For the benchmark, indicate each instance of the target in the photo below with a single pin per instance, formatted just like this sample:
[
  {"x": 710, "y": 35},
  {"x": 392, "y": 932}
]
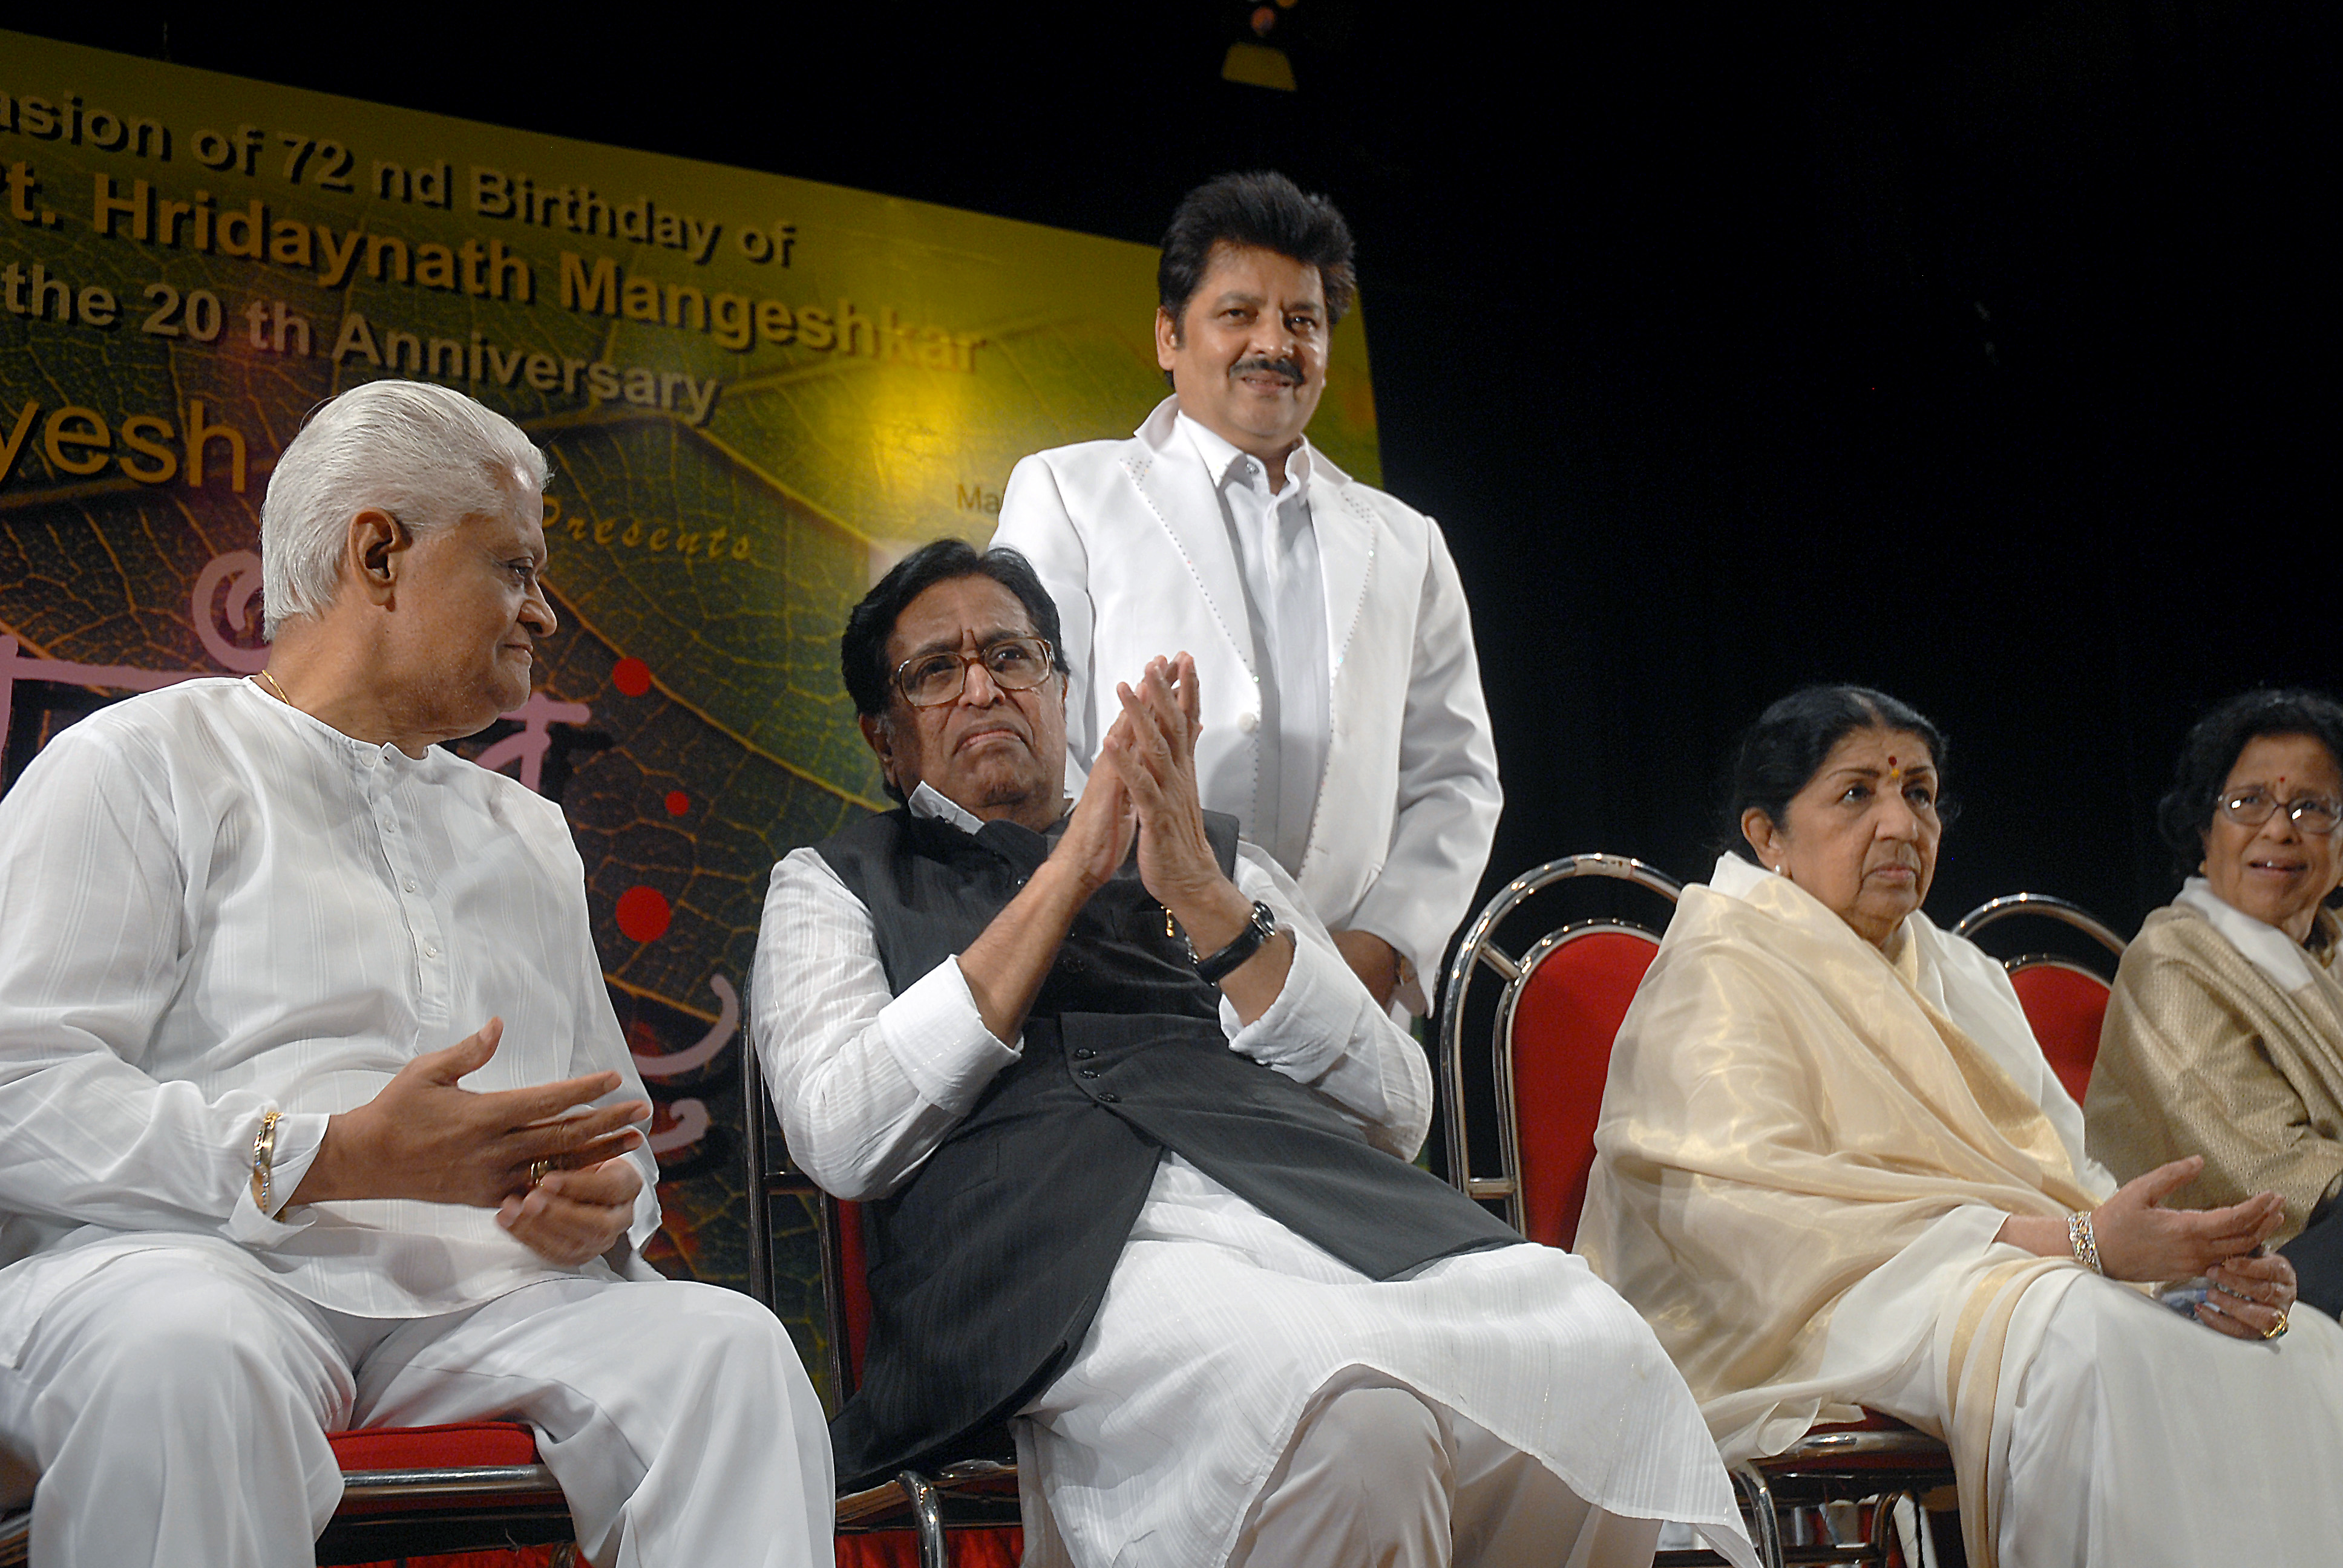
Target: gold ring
[
  {"x": 537, "y": 1170},
  {"x": 2281, "y": 1329}
]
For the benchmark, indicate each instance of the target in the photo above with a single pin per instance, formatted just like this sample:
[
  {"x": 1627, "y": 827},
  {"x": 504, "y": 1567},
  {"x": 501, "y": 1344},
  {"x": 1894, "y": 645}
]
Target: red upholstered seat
[
  {"x": 2066, "y": 1003},
  {"x": 461, "y": 1445},
  {"x": 1565, "y": 1017}
]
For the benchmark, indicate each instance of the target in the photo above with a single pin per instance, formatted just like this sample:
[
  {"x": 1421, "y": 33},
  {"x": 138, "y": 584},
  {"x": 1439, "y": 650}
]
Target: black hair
[
  {"x": 862, "y": 651},
  {"x": 1264, "y": 210},
  {"x": 1781, "y": 753},
  {"x": 2214, "y": 745}
]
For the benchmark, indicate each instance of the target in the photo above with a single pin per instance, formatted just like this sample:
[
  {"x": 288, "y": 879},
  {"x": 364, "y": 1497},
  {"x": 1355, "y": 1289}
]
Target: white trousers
[
  {"x": 1379, "y": 1477},
  {"x": 176, "y": 1401}
]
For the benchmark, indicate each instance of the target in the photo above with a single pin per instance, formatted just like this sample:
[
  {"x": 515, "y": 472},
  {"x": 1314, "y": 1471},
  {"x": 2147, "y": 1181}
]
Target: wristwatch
[{"x": 1212, "y": 970}]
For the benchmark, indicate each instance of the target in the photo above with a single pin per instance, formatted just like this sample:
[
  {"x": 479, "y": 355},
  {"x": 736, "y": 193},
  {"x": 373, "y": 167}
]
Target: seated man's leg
[
  {"x": 1366, "y": 1482},
  {"x": 1378, "y": 1474},
  {"x": 676, "y": 1417},
  {"x": 175, "y": 1403},
  {"x": 1512, "y": 1512}
]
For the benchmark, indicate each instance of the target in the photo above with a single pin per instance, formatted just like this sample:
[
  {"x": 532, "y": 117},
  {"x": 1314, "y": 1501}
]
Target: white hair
[{"x": 427, "y": 456}]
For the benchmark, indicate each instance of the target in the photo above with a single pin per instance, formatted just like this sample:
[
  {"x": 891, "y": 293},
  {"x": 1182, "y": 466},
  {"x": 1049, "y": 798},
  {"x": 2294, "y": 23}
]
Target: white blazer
[{"x": 1127, "y": 538}]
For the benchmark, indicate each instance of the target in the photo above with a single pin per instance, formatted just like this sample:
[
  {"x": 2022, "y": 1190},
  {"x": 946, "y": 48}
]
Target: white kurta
[
  {"x": 212, "y": 904},
  {"x": 1219, "y": 1324},
  {"x": 2121, "y": 1432}
]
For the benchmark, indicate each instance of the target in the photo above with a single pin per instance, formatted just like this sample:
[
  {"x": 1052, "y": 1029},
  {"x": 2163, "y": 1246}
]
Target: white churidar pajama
[
  {"x": 212, "y": 906},
  {"x": 1220, "y": 1330}
]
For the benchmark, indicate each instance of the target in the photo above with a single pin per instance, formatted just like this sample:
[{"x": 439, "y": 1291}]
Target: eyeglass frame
[
  {"x": 2293, "y": 808},
  {"x": 969, "y": 660}
]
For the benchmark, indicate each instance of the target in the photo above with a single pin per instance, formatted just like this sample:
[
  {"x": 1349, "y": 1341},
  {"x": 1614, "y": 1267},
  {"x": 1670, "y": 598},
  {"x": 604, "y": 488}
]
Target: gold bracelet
[
  {"x": 2081, "y": 1243},
  {"x": 264, "y": 1157}
]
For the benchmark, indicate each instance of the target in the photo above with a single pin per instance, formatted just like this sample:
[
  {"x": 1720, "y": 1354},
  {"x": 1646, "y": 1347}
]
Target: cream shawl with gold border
[{"x": 1800, "y": 1129}]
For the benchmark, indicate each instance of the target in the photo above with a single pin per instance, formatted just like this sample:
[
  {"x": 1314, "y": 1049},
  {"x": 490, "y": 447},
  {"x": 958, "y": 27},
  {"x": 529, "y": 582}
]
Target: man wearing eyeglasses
[{"x": 1132, "y": 1141}]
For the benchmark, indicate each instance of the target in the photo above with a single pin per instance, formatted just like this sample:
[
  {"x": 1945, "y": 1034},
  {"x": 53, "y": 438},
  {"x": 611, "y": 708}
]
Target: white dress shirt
[
  {"x": 1219, "y": 1323},
  {"x": 1285, "y": 601},
  {"x": 212, "y": 905},
  {"x": 1384, "y": 765}
]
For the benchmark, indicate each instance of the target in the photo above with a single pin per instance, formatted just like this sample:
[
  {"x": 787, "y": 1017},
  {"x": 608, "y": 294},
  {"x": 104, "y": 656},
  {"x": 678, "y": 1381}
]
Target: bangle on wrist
[
  {"x": 2081, "y": 1243},
  {"x": 263, "y": 1160}
]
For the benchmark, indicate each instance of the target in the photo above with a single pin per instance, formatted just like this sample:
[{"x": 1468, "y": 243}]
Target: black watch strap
[{"x": 1212, "y": 970}]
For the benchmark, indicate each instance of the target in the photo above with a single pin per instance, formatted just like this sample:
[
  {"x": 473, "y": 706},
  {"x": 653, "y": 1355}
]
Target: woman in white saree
[{"x": 1834, "y": 1170}]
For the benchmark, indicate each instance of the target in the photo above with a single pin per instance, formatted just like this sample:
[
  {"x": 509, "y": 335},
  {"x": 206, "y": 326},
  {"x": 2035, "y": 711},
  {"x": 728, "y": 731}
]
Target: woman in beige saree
[
  {"x": 1834, "y": 1170},
  {"x": 2225, "y": 1034}
]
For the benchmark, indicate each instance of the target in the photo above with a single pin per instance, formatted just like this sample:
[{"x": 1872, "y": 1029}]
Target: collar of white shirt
[
  {"x": 928, "y": 801},
  {"x": 1220, "y": 456}
]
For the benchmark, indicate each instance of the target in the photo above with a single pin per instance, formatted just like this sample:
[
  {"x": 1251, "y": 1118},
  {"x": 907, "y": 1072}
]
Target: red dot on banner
[
  {"x": 643, "y": 914},
  {"x": 677, "y": 803},
  {"x": 631, "y": 676}
]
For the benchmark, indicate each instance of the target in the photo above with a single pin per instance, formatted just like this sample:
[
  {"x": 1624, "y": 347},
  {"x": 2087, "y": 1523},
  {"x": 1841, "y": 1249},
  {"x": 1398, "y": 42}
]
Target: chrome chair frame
[
  {"x": 452, "y": 1508},
  {"x": 911, "y": 1492},
  {"x": 1479, "y": 949},
  {"x": 2060, "y": 909}
]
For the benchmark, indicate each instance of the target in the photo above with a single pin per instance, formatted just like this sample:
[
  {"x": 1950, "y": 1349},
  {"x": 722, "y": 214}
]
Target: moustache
[{"x": 1291, "y": 369}]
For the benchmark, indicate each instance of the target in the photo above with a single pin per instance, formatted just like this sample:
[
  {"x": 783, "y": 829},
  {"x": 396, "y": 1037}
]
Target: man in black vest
[{"x": 1133, "y": 1144}]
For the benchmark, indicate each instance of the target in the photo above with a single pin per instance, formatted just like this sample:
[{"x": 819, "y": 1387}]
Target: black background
[{"x": 1979, "y": 352}]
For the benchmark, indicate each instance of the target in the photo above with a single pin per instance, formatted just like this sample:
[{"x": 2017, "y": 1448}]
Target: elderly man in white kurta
[
  {"x": 314, "y": 1112},
  {"x": 1345, "y": 726},
  {"x": 1132, "y": 1144}
]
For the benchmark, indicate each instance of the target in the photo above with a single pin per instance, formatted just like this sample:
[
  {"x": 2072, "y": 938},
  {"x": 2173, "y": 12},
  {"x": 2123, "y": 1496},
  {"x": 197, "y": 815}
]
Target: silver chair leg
[
  {"x": 928, "y": 1517},
  {"x": 1758, "y": 1502}
]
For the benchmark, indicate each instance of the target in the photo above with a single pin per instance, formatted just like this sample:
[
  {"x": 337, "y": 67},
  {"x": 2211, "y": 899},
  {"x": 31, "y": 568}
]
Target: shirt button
[
  {"x": 1248, "y": 722},
  {"x": 1086, "y": 1072},
  {"x": 1084, "y": 1054},
  {"x": 410, "y": 884},
  {"x": 1110, "y": 1096},
  {"x": 431, "y": 952}
]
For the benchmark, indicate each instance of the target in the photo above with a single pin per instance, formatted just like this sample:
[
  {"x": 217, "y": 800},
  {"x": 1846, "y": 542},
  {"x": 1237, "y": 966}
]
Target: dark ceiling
[{"x": 1981, "y": 351}]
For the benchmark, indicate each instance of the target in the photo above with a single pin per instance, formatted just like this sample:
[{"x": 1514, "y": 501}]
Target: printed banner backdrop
[{"x": 757, "y": 393}]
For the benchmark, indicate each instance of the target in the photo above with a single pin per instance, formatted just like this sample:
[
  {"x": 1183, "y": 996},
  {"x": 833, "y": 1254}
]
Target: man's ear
[
  {"x": 880, "y": 737},
  {"x": 378, "y": 541},
  {"x": 1167, "y": 338}
]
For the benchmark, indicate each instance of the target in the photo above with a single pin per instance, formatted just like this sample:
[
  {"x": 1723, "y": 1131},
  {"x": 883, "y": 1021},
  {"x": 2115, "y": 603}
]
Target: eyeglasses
[
  {"x": 2311, "y": 813},
  {"x": 1014, "y": 664}
]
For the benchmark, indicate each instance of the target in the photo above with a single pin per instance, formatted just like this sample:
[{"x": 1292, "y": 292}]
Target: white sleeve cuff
[
  {"x": 298, "y": 1139},
  {"x": 938, "y": 1037},
  {"x": 1296, "y": 1035}
]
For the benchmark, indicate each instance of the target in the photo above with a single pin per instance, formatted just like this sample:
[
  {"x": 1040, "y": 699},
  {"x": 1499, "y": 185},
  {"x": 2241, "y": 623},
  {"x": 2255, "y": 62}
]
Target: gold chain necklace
[{"x": 270, "y": 681}]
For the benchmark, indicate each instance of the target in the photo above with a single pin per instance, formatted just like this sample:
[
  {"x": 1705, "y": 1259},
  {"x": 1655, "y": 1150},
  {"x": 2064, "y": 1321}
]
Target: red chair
[
  {"x": 1550, "y": 1032},
  {"x": 421, "y": 1491},
  {"x": 981, "y": 1490},
  {"x": 2065, "y": 1002}
]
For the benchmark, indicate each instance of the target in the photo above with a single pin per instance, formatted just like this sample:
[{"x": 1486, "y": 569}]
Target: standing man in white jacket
[{"x": 1345, "y": 726}]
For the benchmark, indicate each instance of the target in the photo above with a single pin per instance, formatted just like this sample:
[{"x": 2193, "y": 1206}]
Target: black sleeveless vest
[{"x": 986, "y": 1268}]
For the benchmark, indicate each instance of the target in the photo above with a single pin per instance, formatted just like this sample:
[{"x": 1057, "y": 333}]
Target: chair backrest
[
  {"x": 1550, "y": 1043},
  {"x": 1564, "y": 1012},
  {"x": 845, "y": 1287},
  {"x": 2066, "y": 1002}
]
